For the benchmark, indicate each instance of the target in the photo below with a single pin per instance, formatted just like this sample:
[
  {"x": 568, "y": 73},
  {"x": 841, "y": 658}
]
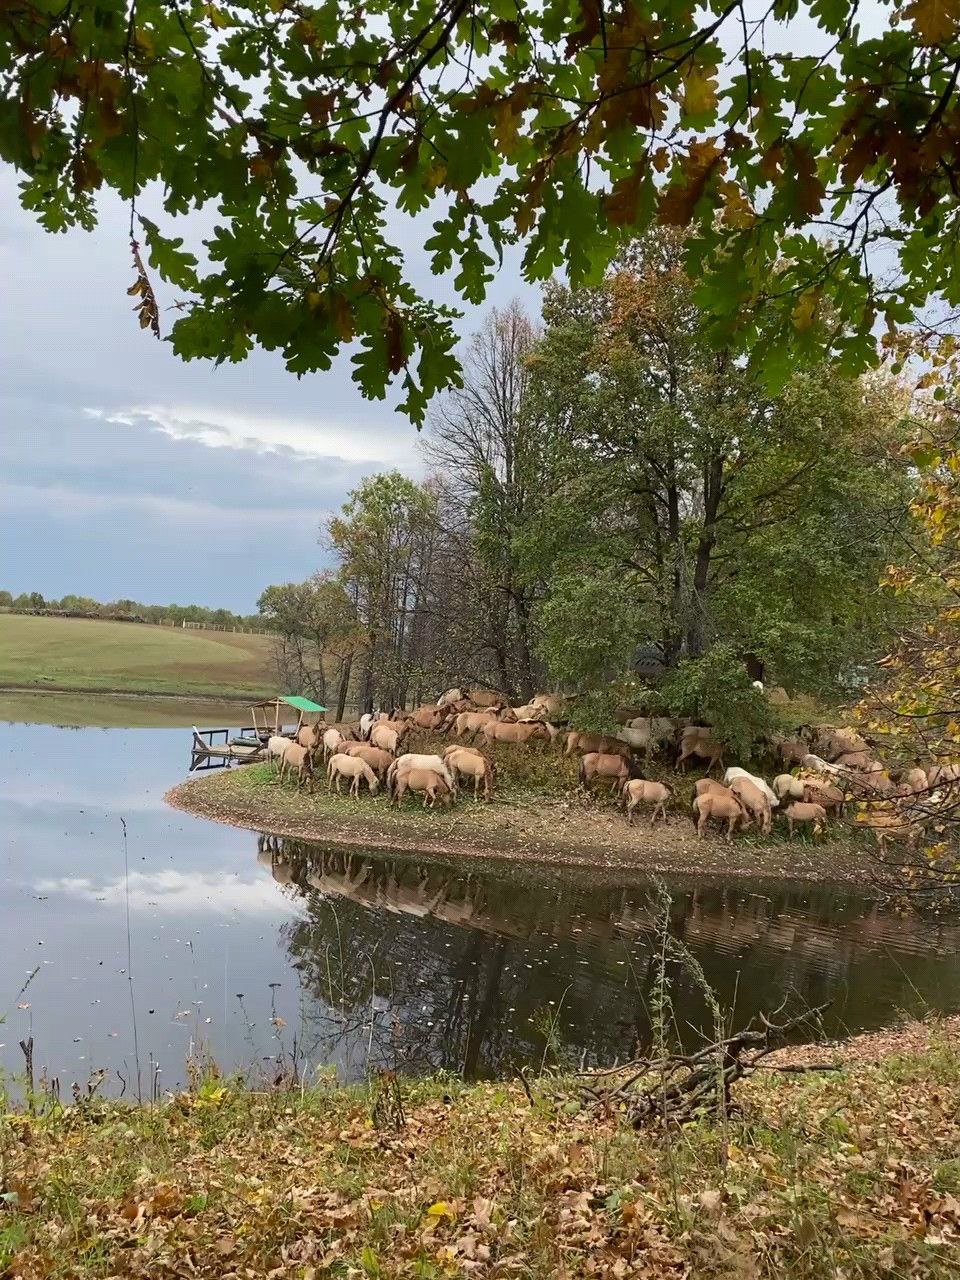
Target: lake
[{"x": 261, "y": 952}]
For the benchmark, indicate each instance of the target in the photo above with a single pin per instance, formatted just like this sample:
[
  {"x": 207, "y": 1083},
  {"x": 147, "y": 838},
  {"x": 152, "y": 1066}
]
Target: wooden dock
[{"x": 215, "y": 749}]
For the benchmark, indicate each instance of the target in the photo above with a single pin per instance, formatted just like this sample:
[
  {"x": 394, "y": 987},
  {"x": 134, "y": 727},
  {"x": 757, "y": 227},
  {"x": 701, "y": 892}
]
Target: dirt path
[{"x": 548, "y": 830}]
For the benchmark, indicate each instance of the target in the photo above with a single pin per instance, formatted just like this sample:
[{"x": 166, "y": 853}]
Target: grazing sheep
[
  {"x": 431, "y": 784},
  {"x": 832, "y": 798},
  {"x": 277, "y": 748},
  {"x": 452, "y": 695},
  {"x": 469, "y": 723},
  {"x": 638, "y": 791},
  {"x": 713, "y": 807},
  {"x": 755, "y": 801},
  {"x": 333, "y": 740},
  {"x": 389, "y": 734},
  {"x": 502, "y": 731},
  {"x": 790, "y": 750},
  {"x": 433, "y": 718},
  {"x": 310, "y": 736},
  {"x": 767, "y": 790},
  {"x": 467, "y": 763},
  {"x": 589, "y": 742},
  {"x": 915, "y": 780},
  {"x": 299, "y": 760},
  {"x": 551, "y": 705},
  {"x": 818, "y": 765},
  {"x": 366, "y": 724},
  {"x": 647, "y": 733},
  {"x": 787, "y": 787},
  {"x": 413, "y": 760},
  {"x": 692, "y": 746},
  {"x": 597, "y": 764},
  {"x": 354, "y": 767},
  {"x": 378, "y": 759},
  {"x": 710, "y": 786},
  {"x": 805, "y": 812}
]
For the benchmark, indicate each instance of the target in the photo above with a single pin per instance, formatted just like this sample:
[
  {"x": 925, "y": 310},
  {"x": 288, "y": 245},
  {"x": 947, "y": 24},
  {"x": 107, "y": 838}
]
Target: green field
[{"x": 81, "y": 655}]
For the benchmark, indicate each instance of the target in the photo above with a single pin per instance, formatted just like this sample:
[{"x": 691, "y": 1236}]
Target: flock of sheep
[{"x": 828, "y": 766}]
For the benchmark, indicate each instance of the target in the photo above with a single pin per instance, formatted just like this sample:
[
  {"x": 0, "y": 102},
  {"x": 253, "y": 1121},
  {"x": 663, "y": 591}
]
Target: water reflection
[
  {"x": 366, "y": 959},
  {"x": 420, "y": 965}
]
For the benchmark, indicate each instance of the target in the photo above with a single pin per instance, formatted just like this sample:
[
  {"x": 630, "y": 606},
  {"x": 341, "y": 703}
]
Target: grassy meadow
[{"x": 85, "y": 655}]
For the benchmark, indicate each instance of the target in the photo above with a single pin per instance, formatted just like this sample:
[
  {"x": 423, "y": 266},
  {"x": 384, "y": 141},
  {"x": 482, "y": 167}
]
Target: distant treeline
[{"x": 73, "y": 606}]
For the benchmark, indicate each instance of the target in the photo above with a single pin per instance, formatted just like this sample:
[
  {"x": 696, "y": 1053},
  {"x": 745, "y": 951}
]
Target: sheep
[
  {"x": 411, "y": 760},
  {"x": 551, "y": 705},
  {"x": 501, "y": 731},
  {"x": 452, "y": 695},
  {"x": 426, "y": 780},
  {"x": 378, "y": 759},
  {"x": 469, "y": 723},
  {"x": 706, "y": 748},
  {"x": 366, "y": 724},
  {"x": 755, "y": 801},
  {"x": 467, "y": 763},
  {"x": 734, "y": 772},
  {"x": 800, "y": 811},
  {"x": 310, "y": 736},
  {"x": 718, "y": 808},
  {"x": 589, "y": 742},
  {"x": 388, "y": 734},
  {"x": 429, "y": 717},
  {"x": 354, "y": 767},
  {"x": 276, "y": 750},
  {"x": 298, "y": 760},
  {"x": 819, "y": 765},
  {"x": 333, "y": 740},
  {"x": 823, "y": 793},
  {"x": 787, "y": 787},
  {"x": 710, "y": 786},
  {"x": 915, "y": 780},
  {"x": 596, "y": 764},
  {"x": 646, "y": 733},
  {"x": 638, "y": 791}
]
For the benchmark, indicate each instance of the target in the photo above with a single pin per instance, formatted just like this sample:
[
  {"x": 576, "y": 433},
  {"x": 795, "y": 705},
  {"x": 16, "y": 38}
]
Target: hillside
[{"x": 82, "y": 655}]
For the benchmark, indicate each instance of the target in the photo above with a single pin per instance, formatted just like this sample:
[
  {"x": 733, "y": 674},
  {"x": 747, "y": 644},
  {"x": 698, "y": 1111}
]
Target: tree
[
  {"x": 316, "y": 626},
  {"x": 6, "y": 599},
  {"x": 485, "y": 445},
  {"x": 385, "y": 539},
  {"x": 570, "y": 127},
  {"x": 685, "y": 505}
]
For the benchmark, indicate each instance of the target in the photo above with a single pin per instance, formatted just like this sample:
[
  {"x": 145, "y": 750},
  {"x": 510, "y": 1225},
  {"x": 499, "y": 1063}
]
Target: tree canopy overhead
[{"x": 823, "y": 183}]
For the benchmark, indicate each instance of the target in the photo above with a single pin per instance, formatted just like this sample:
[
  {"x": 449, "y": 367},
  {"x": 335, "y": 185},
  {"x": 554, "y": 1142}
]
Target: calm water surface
[{"x": 255, "y": 950}]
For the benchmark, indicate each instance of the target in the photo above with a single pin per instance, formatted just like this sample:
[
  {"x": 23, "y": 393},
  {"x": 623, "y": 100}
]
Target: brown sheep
[
  {"x": 353, "y": 767},
  {"x": 298, "y": 760},
  {"x": 693, "y": 746},
  {"x": 425, "y": 780},
  {"x": 468, "y": 763},
  {"x": 641, "y": 791},
  {"x": 586, "y": 743},
  {"x": 501, "y": 731},
  {"x": 389, "y": 734},
  {"x": 378, "y": 759},
  {"x": 717, "y": 808},
  {"x": 824, "y": 793},
  {"x": 755, "y": 802},
  {"x": 597, "y": 764},
  {"x": 801, "y": 811}
]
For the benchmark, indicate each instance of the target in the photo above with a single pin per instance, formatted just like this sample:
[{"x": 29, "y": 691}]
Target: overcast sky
[{"x": 126, "y": 472}]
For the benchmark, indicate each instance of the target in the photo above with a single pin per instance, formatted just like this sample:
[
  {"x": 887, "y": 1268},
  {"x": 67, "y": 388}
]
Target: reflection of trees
[{"x": 423, "y": 966}]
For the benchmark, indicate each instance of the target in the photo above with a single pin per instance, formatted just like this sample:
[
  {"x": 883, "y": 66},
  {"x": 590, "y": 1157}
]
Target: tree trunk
[
  {"x": 346, "y": 666},
  {"x": 699, "y": 598}
]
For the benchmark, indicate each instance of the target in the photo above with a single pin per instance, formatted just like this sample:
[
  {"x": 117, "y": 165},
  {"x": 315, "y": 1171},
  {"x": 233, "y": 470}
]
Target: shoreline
[
  {"x": 545, "y": 831},
  {"x": 96, "y": 691}
]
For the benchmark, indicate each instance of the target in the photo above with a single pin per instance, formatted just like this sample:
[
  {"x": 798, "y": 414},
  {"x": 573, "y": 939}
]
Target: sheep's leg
[{"x": 790, "y": 828}]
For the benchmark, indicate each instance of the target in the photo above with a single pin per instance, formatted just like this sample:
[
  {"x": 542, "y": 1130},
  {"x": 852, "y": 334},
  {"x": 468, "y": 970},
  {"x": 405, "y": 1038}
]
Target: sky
[{"x": 126, "y": 472}]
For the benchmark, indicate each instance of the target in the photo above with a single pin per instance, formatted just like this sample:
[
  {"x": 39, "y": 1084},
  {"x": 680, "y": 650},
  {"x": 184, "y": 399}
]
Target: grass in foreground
[
  {"x": 851, "y": 1174},
  {"x": 81, "y": 654}
]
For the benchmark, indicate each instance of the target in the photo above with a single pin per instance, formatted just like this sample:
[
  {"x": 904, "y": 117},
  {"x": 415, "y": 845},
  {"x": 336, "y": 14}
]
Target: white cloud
[
  {"x": 178, "y": 891},
  {"x": 227, "y": 429}
]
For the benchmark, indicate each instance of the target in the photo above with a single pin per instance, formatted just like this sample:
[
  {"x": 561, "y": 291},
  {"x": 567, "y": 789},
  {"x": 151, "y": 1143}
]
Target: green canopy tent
[{"x": 302, "y": 705}]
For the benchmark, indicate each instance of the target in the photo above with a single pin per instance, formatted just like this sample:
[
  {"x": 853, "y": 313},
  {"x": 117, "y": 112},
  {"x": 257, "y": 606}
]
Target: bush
[{"x": 717, "y": 689}]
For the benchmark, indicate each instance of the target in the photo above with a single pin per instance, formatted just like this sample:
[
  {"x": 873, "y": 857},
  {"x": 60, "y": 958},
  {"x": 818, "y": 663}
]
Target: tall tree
[
  {"x": 687, "y": 504},
  {"x": 385, "y": 539},
  {"x": 316, "y": 629},
  {"x": 486, "y": 444},
  {"x": 566, "y": 126}
]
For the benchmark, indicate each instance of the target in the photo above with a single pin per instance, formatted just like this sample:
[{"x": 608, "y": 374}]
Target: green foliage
[
  {"x": 716, "y": 689},
  {"x": 684, "y": 505},
  {"x": 311, "y": 131}
]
